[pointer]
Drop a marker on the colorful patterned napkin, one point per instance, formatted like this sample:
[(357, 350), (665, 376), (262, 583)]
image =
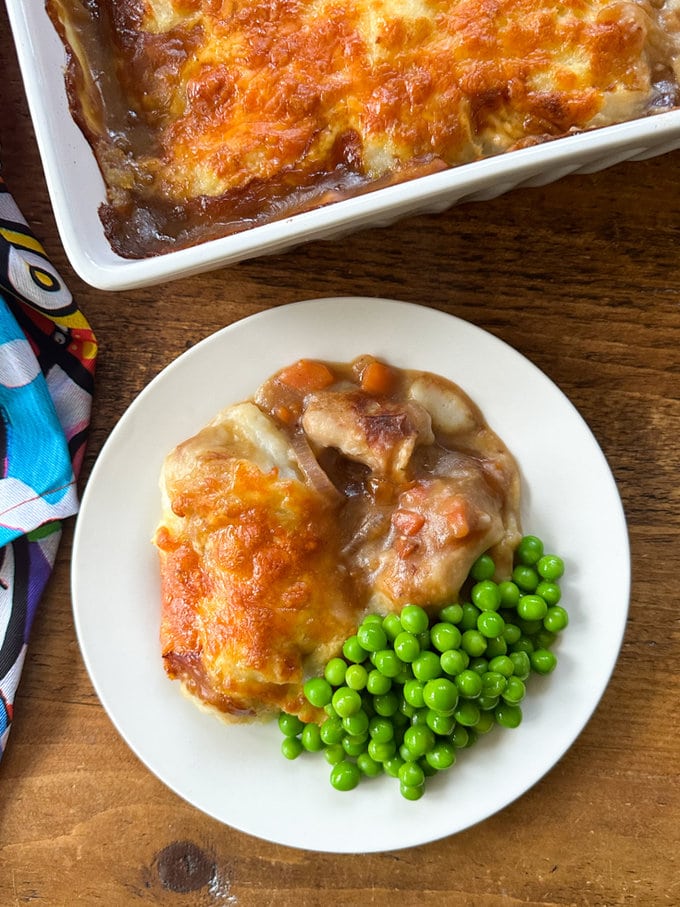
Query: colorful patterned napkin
[(47, 358)]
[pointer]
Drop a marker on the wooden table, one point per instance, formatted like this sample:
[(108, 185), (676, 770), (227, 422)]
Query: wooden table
[(582, 278)]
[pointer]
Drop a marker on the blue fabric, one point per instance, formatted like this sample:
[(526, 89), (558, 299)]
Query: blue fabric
[(36, 475)]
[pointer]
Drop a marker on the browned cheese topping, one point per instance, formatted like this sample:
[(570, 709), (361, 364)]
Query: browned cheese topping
[(339, 489), (210, 116)]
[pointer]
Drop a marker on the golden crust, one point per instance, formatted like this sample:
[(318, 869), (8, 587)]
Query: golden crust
[(224, 113)]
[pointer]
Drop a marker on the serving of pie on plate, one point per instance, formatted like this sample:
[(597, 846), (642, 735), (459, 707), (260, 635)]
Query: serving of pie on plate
[(337, 489)]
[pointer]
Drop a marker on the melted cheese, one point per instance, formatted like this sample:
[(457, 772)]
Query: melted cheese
[(223, 113)]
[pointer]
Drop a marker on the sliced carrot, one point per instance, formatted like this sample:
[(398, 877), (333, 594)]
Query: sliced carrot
[(377, 378), (306, 375), (407, 522), (457, 515), (285, 414)]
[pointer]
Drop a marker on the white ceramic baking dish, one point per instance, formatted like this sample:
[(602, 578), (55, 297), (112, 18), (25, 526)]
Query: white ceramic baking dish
[(76, 187)]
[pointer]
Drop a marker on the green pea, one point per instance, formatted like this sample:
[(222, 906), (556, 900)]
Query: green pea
[(290, 725), (550, 567), (413, 693), (373, 619), (406, 754), (468, 620), (487, 703), (511, 634), (423, 638), (454, 661), (356, 677), (529, 551), (354, 746), (411, 791), (406, 646), (414, 619), (496, 646), (445, 636), (490, 624), (345, 775), (451, 614), (514, 692), (502, 664), (441, 695), (493, 683), (405, 674), (419, 716), (381, 751), (311, 738), (392, 765), (386, 704), (346, 701), (526, 578), (479, 665), (459, 736), (483, 568), (380, 729), (353, 650), (522, 665), (473, 642), (291, 747), (334, 672), (467, 713), (485, 596), (549, 592), (442, 755), (368, 766), (371, 637), (556, 619), (334, 754), (509, 593), (411, 774), (532, 607), (377, 684), (419, 739), (386, 661), (427, 666), (523, 644), (543, 661), (356, 724), (392, 626), (509, 716), (440, 724), (318, 691), (469, 684), (332, 731), (486, 722)]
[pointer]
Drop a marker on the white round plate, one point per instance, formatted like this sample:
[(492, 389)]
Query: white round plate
[(236, 773)]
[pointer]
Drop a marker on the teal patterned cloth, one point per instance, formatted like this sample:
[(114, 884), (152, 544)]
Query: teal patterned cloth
[(47, 359)]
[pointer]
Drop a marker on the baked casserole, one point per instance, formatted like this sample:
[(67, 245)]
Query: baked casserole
[(211, 116)]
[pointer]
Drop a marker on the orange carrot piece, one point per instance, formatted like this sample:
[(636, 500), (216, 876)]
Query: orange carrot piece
[(377, 378), (407, 522), (457, 514), (306, 375)]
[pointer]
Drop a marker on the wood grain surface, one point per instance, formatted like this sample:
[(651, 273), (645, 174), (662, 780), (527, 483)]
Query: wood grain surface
[(582, 277)]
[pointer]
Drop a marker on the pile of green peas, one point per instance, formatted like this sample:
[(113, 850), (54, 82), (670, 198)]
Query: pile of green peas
[(409, 691)]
